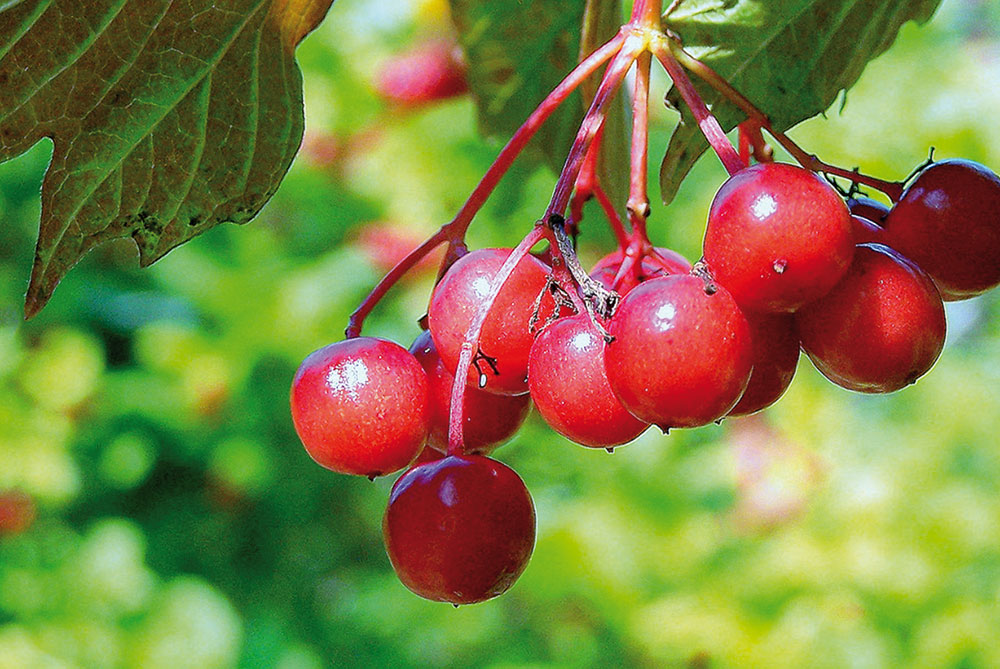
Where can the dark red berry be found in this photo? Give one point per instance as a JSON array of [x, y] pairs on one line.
[[460, 529], [865, 230], [866, 207], [433, 71], [490, 419], [775, 356], [570, 387], [880, 328], [662, 262], [948, 223], [682, 352], [778, 236], [506, 336], [360, 406]]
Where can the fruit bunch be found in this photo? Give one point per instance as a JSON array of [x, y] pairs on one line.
[[645, 337]]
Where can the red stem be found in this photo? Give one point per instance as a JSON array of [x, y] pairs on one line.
[[744, 143], [471, 344], [612, 215], [891, 188], [454, 230], [592, 122], [638, 196], [706, 121]]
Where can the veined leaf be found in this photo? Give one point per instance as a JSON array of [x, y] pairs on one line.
[[167, 117], [518, 51], [791, 58]]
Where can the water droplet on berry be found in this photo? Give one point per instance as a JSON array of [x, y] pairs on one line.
[[780, 266]]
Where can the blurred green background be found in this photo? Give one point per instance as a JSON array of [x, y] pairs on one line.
[[157, 509]]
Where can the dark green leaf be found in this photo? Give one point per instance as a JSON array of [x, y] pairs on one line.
[[517, 52], [791, 58], [167, 118]]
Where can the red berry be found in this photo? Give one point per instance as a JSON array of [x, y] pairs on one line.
[[682, 353], [866, 207], [778, 236], [880, 328], [384, 244], [17, 512], [570, 387], [506, 337], [459, 530], [360, 406], [427, 454], [665, 262], [430, 72], [775, 356], [490, 419], [948, 223], [865, 230]]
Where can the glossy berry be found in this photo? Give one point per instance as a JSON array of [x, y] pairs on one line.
[[460, 529], [570, 387], [880, 328], [948, 223], [682, 353], [430, 72], [869, 208], [360, 406], [778, 236], [775, 356], [665, 262], [490, 419], [506, 336], [427, 454], [865, 231]]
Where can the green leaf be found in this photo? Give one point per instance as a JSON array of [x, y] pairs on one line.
[[517, 52], [791, 58], [167, 118]]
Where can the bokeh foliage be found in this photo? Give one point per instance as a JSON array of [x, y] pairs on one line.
[[178, 521]]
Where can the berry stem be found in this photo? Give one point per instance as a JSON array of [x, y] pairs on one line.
[[454, 231], [891, 188], [612, 215], [706, 120], [638, 197], [646, 14], [592, 122], [471, 344]]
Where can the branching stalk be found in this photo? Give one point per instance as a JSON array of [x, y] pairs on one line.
[[454, 231]]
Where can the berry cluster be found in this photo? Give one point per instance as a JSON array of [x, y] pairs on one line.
[[644, 338]]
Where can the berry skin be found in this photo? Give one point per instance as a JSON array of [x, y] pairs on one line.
[[778, 236], [866, 207], [865, 230], [460, 529], [775, 356], [360, 406], [506, 336], [682, 354], [948, 223], [490, 419], [668, 262], [570, 387], [430, 72], [880, 328]]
